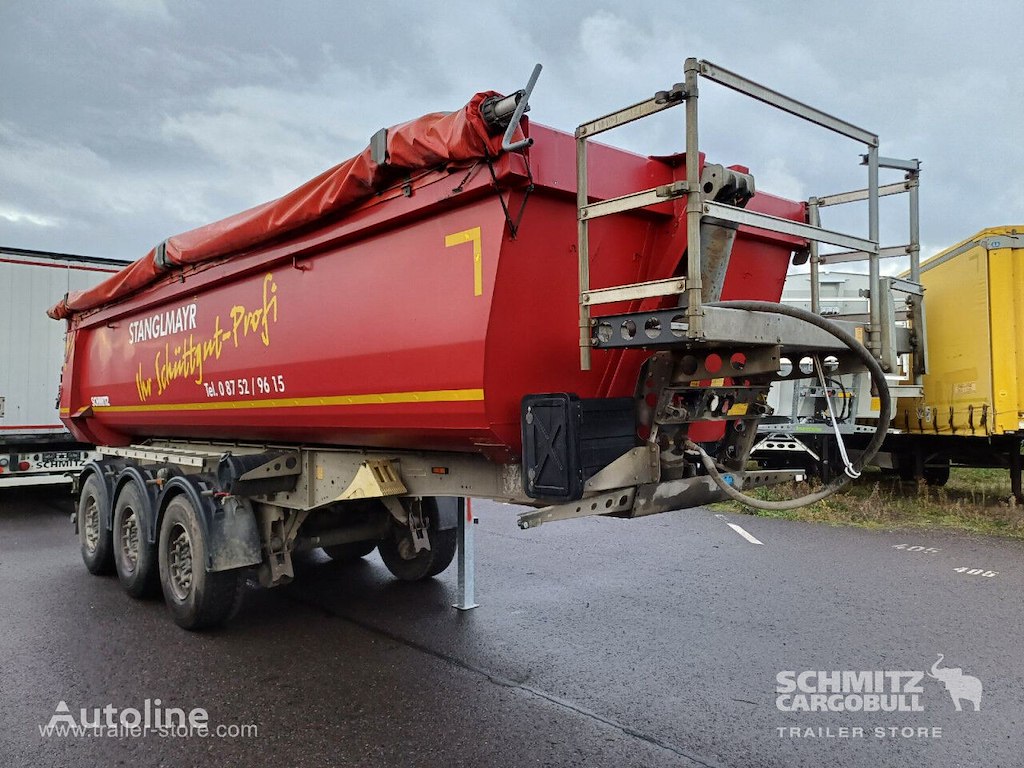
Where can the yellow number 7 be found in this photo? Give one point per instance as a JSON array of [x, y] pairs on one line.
[[470, 236]]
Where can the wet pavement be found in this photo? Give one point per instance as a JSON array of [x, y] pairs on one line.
[[598, 642]]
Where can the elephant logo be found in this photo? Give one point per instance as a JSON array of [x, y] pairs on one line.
[[959, 685]]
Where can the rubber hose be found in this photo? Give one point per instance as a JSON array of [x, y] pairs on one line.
[[877, 376]]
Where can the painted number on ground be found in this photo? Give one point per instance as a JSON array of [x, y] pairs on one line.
[[975, 572], [916, 548]]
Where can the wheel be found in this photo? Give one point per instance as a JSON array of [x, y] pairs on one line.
[[94, 539], [196, 598], [905, 467], [399, 556], [350, 551], [934, 473], [134, 557], [937, 474]]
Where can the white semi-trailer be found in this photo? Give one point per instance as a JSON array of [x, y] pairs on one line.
[[35, 448]]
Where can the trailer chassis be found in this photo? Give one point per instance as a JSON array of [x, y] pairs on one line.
[[245, 508]]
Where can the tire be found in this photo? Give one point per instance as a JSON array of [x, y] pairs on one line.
[[396, 550], [937, 474], [95, 541], [197, 599], [905, 467], [134, 557], [350, 551]]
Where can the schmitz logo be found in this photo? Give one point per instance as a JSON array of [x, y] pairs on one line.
[[959, 685], [849, 691], [870, 690]]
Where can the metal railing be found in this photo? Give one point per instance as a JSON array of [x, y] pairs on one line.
[[699, 207], [882, 311]]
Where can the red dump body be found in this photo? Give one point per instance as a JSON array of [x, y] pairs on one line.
[[412, 319]]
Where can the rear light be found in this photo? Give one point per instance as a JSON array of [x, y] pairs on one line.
[[23, 466], [3, 461]]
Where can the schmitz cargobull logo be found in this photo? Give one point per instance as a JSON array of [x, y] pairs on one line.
[[871, 690], [849, 691]]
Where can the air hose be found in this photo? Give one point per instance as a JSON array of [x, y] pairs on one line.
[[877, 376]]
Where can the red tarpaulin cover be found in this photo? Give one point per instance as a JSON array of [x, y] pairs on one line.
[[426, 142]]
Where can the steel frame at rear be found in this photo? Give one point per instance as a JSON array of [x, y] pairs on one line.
[[703, 322]]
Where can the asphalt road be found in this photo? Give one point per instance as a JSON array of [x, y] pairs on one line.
[[600, 642]]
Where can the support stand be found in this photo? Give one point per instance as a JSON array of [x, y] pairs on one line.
[[467, 557], [1015, 472]]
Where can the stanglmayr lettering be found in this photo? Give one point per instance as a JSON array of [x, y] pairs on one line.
[[163, 324]]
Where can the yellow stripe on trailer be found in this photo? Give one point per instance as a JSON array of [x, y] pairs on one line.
[[429, 396]]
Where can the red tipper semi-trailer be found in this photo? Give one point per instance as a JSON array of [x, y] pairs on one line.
[[476, 305], [35, 447]]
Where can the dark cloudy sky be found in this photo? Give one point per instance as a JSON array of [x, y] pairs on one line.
[[125, 121]]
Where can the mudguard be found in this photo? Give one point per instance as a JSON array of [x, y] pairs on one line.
[[150, 493], [228, 524], [107, 471]]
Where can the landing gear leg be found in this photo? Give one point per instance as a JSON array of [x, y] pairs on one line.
[[467, 557], [1015, 473]]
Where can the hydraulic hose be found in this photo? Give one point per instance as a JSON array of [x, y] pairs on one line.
[[884, 410]]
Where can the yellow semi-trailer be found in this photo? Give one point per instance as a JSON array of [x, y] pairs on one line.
[[972, 408]]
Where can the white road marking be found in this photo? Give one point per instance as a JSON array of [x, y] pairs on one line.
[[752, 539], [976, 572], [744, 534]]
